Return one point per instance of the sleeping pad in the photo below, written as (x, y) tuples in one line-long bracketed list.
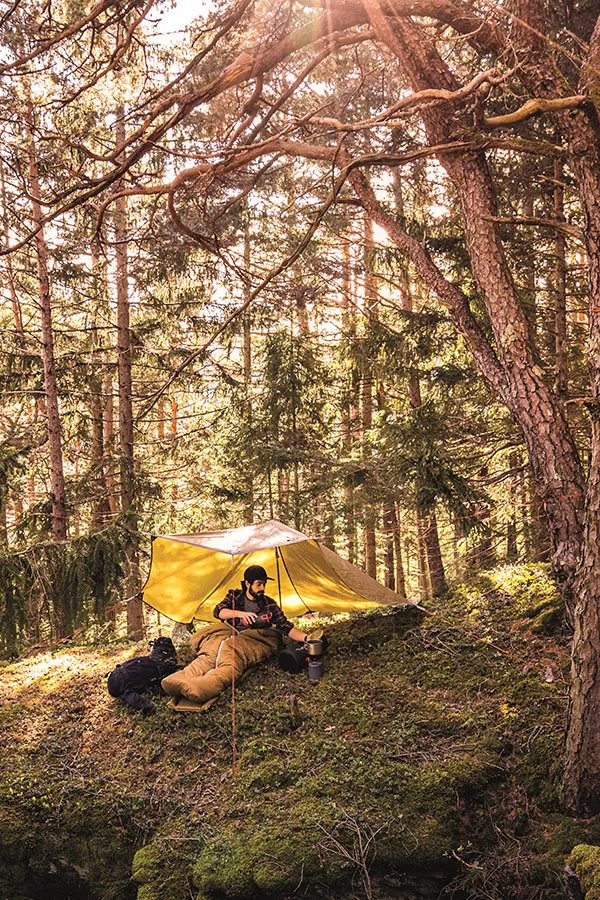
[(221, 654)]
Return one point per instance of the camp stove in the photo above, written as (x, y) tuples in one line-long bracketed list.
[(307, 655)]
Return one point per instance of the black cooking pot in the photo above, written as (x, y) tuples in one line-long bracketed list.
[(293, 659)]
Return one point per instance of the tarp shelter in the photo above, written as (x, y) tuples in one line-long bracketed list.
[(191, 573)]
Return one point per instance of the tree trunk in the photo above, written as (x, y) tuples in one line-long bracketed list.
[(57, 480), (100, 503), (108, 438), (370, 308), (348, 400), (511, 528), (582, 749), (435, 564), (10, 277), (388, 552), (247, 356), (135, 618), (530, 298), (173, 429), (400, 579), (561, 364), (423, 570)]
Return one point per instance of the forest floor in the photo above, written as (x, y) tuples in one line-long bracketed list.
[(428, 755)]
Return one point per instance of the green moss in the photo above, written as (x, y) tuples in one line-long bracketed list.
[(225, 866), (585, 859), (147, 864), (15, 832), (162, 871)]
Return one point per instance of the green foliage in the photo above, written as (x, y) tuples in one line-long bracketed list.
[(419, 456), (74, 583)]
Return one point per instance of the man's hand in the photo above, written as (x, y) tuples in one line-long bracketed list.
[(248, 618)]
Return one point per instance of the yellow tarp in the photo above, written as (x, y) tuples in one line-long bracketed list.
[(187, 579)]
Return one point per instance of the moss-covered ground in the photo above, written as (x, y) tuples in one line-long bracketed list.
[(428, 754)]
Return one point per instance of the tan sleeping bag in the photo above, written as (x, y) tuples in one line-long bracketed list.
[(220, 654)]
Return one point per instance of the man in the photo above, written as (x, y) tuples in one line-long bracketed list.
[(248, 632), (250, 606)]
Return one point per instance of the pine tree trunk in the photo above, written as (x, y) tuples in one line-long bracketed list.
[(435, 564), (3, 517), (581, 782), (582, 764), (388, 552), (458, 561), (348, 403), (57, 480), (135, 620), (247, 355), (100, 504), (561, 365), (530, 299), (511, 528), (400, 579), (423, 569), (10, 277), (173, 429), (108, 438), (100, 508), (370, 306)]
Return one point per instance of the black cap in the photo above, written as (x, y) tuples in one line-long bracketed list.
[(256, 573)]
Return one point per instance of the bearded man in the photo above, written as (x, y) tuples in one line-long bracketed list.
[(249, 629)]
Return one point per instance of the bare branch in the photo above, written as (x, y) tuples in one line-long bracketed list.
[(532, 107), (571, 230), (490, 77)]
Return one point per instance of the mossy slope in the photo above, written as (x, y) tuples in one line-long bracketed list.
[(432, 743)]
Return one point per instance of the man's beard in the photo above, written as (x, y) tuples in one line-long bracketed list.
[(258, 595)]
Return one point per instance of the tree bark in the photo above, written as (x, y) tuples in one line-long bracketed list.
[(581, 782), (108, 438), (12, 290), (135, 617), (349, 398), (397, 537), (370, 309), (561, 360), (435, 564), (388, 552), (57, 479), (247, 356), (101, 510), (530, 298), (511, 528), (423, 569)]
